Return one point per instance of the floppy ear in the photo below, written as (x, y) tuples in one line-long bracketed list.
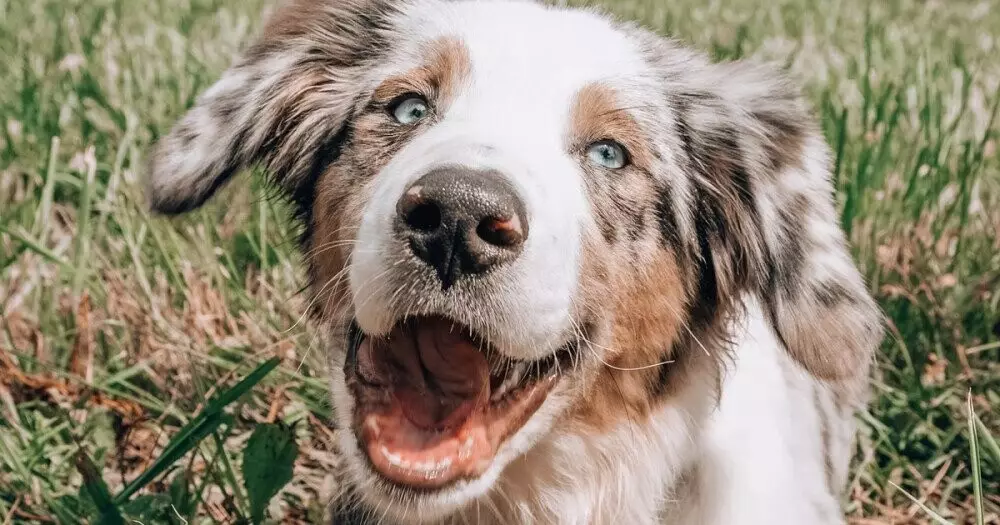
[(284, 104), (764, 214)]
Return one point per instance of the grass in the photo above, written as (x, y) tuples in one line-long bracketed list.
[(117, 326)]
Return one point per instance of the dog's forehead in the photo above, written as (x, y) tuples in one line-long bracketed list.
[(536, 54)]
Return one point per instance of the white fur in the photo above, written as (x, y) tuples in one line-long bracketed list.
[(754, 460), (761, 458)]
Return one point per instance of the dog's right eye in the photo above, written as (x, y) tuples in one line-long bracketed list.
[(408, 108)]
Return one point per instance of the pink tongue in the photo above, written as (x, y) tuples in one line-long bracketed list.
[(436, 373)]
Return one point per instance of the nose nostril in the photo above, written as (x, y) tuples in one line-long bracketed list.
[(505, 233), (424, 217), (461, 221)]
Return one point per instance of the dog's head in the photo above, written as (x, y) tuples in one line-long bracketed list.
[(522, 217)]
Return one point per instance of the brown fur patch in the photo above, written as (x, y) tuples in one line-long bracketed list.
[(328, 253), (447, 67), (648, 309), (598, 114), (297, 18)]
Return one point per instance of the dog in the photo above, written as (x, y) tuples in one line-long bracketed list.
[(574, 271)]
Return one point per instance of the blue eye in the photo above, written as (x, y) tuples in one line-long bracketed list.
[(409, 108), (608, 154)]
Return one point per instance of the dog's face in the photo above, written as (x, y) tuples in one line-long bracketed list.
[(523, 218)]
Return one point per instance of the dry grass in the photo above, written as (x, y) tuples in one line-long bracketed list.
[(117, 326)]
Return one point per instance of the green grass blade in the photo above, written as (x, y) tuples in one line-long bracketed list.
[(244, 386), (186, 439), (48, 191), (991, 444), (977, 473), (36, 247), (231, 474), (82, 261)]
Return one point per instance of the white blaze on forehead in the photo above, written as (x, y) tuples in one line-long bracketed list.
[(512, 114), (528, 63), (544, 54)]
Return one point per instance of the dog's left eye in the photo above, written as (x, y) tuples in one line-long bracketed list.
[(608, 154), (409, 108)]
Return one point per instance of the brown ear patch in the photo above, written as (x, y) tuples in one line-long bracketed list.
[(342, 24), (836, 344), (290, 19)]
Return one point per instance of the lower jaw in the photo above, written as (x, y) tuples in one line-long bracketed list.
[(373, 496), (463, 454), (377, 423)]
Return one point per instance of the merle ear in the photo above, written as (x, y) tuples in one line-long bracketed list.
[(765, 217), (281, 104)]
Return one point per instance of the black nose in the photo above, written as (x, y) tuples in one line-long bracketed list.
[(462, 221)]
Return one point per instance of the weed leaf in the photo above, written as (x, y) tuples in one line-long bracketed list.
[(180, 494), (267, 465)]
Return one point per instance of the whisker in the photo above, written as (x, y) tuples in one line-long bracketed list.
[(591, 345)]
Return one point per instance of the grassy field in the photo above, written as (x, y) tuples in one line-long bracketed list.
[(116, 326)]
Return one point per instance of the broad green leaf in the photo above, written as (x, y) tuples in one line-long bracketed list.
[(267, 465), (180, 494)]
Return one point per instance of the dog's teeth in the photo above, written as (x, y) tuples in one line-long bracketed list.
[(465, 451), (519, 371), (514, 376)]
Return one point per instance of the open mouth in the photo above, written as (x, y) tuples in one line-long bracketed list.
[(434, 403)]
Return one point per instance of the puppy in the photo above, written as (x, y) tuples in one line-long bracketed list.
[(586, 276)]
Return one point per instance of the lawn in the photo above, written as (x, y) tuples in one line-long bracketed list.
[(118, 328)]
